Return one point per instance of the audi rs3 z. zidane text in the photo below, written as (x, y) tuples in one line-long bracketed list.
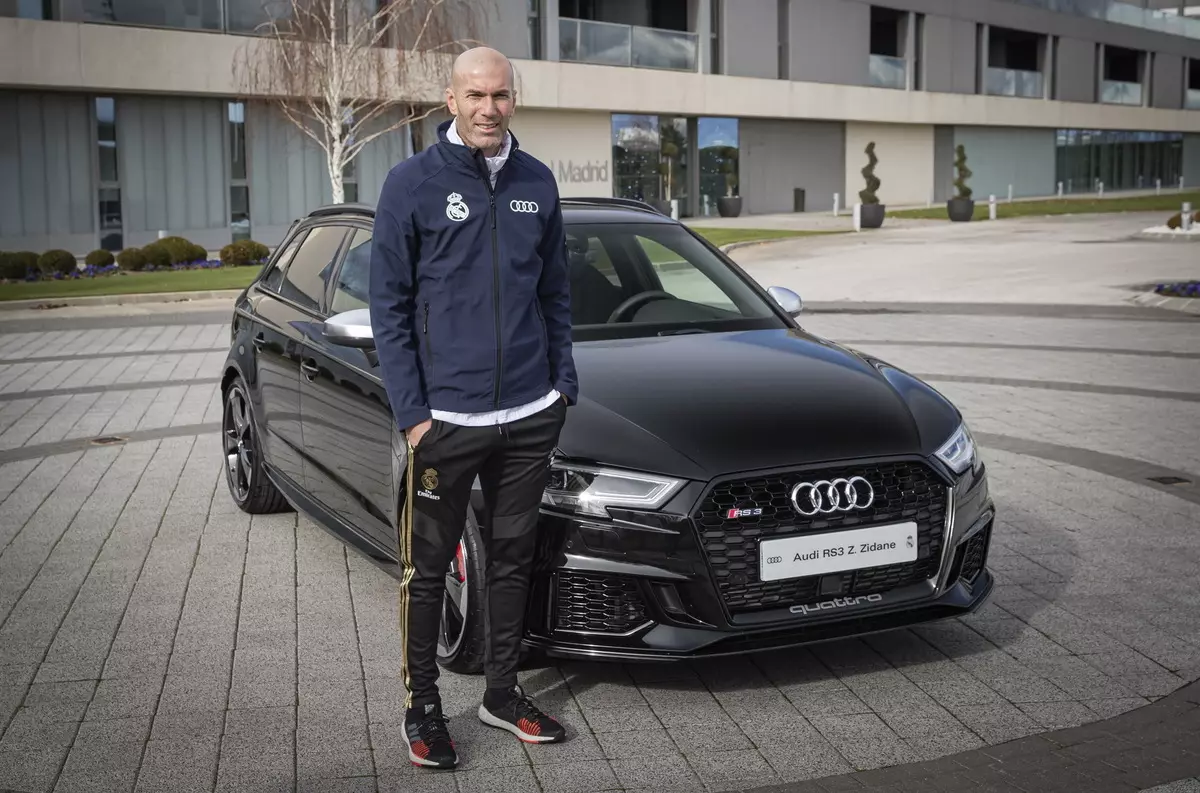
[(820, 493)]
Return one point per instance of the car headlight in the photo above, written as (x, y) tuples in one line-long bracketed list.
[(959, 452), (591, 490)]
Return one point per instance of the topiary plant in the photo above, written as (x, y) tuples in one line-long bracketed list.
[(131, 259), (964, 173), (258, 252), (869, 196), (157, 255), (244, 252), (26, 260), (57, 260), (99, 258), (1176, 220)]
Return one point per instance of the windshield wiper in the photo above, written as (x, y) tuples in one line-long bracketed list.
[(683, 331)]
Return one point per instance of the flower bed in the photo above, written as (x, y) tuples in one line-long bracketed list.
[(1179, 289)]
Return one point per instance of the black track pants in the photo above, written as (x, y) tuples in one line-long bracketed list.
[(512, 463)]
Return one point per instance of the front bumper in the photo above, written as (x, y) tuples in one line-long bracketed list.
[(639, 588)]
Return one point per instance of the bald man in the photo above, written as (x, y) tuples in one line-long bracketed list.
[(471, 313)]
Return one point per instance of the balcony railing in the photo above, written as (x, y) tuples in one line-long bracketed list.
[(610, 44), (888, 72), (1115, 92), (1015, 82), (1123, 14), (1191, 99)]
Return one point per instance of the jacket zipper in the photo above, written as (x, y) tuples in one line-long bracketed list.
[(487, 182), (425, 330)]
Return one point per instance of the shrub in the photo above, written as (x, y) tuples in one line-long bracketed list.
[(1176, 220), (57, 261), (182, 251), (24, 262), (964, 173), (11, 268), (99, 258), (131, 259), (869, 196), (157, 255), (244, 252)]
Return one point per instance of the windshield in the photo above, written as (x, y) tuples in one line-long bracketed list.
[(635, 279)]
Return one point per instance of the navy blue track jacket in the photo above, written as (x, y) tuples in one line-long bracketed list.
[(470, 299)]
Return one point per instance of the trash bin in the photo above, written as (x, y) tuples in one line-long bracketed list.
[(798, 199)]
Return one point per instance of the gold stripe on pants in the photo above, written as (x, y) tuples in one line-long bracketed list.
[(408, 568)]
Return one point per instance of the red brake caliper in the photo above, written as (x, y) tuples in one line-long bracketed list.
[(460, 565)]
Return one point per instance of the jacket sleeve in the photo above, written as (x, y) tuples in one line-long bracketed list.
[(394, 250), (554, 291)]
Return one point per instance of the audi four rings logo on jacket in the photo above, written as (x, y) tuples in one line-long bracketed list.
[(470, 299)]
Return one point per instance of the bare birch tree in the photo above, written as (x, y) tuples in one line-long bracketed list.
[(338, 70)]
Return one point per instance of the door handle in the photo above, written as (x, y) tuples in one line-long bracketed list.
[(259, 341), (310, 369)]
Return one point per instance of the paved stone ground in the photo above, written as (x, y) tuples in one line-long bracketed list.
[(152, 637)]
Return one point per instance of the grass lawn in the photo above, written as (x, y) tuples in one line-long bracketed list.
[(726, 236), (132, 283), (239, 277), (1167, 203)]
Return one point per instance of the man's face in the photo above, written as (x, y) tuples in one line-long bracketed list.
[(483, 99)]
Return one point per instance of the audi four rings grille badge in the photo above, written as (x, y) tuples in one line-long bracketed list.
[(828, 496), (523, 206)]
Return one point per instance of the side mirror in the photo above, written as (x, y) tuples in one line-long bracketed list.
[(788, 300), (351, 329)]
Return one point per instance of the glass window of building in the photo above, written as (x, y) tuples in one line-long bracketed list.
[(717, 144), (1120, 160), (188, 14), (239, 188), (635, 142), (108, 199)]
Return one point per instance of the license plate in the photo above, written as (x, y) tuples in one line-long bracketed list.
[(835, 551)]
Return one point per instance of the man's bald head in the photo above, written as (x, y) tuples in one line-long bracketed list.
[(482, 96)]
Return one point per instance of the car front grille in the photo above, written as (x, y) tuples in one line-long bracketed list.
[(597, 603), (904, 491)]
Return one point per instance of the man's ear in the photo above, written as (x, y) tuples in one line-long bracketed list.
[(451, 104)]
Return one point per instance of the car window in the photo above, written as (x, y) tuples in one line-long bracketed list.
[(275, 277), (354, 279), (681, 278), (304, 281), (655, 275)]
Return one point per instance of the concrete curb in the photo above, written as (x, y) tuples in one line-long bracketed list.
[(1187, 305), (119, 300)]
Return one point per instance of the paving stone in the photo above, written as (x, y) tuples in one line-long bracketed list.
[(667, 772), (179, 765), (576, 777)]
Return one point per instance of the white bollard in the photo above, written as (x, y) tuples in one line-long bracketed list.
[(1158, 186), (1186, 216), (1101, 189), (858, 217), (1060, 189), (1181, 183), (162, 234), (835, 204), (1010, 194), (674, 209), (991, 207)]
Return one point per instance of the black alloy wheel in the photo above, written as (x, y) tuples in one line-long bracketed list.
[(252, 491), (460, 646)]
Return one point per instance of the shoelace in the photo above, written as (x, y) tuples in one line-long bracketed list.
[(525, 708), (433, 728)]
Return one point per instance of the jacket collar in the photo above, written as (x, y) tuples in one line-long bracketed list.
[(468, 155)]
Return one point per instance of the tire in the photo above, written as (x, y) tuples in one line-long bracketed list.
[(248, 484), (463, 652)]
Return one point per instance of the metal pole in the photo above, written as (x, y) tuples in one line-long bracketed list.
[(858, 217), (1060, 189), (835, 204), (1010, 194), (991, 207), (1158, 186)]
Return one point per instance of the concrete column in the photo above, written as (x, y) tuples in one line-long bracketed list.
[(700, 12), (982, 58), (549, 30), (910, 51), (1048, 67)]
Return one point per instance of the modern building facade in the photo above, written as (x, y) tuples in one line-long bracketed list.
[(121, 119)]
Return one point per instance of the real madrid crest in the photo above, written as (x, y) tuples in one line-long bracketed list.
[(456, 210), (429, 479)]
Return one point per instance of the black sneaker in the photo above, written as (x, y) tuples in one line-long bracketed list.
[(429, 744), (516, 713)]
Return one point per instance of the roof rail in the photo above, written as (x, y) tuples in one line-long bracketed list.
[(631, 203), (342, 209)]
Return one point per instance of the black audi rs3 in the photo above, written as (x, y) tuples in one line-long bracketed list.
[(728, 482)]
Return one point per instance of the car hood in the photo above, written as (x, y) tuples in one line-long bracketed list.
[(703, 405)]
